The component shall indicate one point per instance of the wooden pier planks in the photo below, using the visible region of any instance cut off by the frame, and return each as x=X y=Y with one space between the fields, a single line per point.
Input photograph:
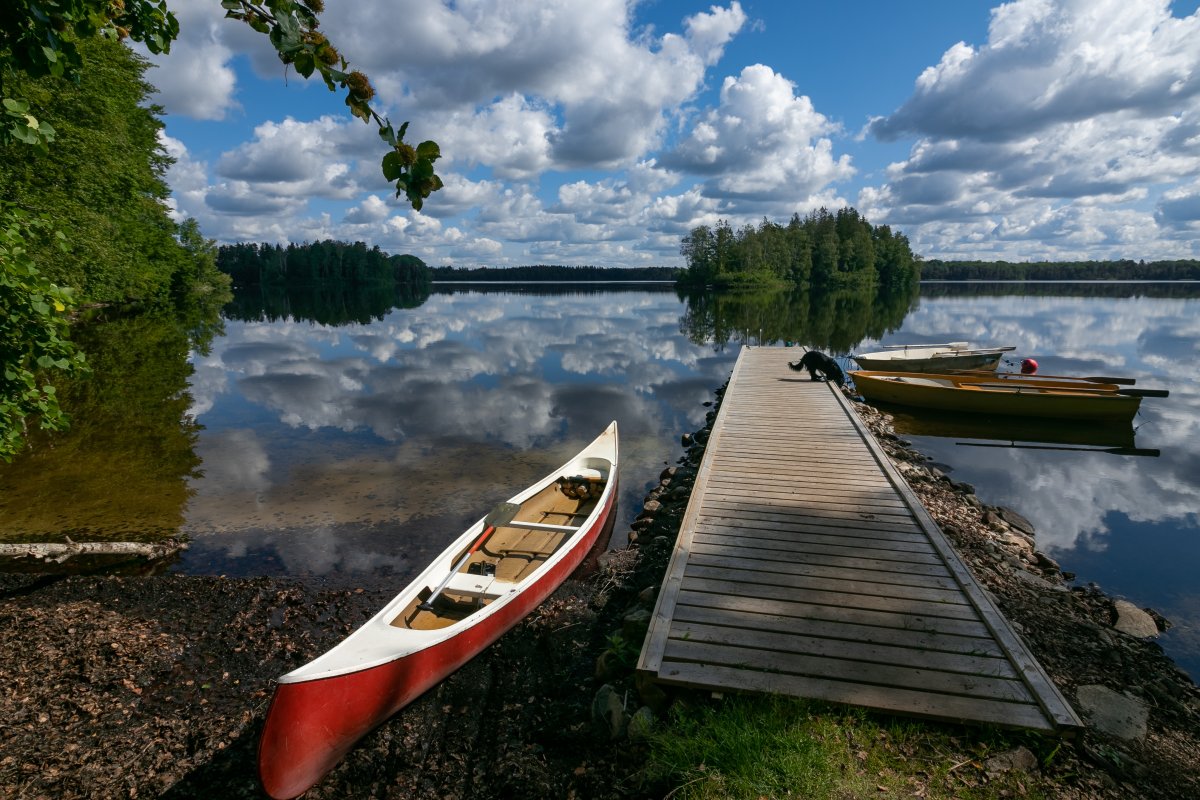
x=806 y=566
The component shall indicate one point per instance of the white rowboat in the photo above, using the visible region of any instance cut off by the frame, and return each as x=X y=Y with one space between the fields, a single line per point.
x=932 y=357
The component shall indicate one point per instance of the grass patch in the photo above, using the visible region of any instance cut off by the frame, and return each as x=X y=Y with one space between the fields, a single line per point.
x=753 y=747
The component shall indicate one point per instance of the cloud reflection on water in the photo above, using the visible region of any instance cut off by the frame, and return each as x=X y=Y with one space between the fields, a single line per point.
x=429 y=412
x=1155 y=340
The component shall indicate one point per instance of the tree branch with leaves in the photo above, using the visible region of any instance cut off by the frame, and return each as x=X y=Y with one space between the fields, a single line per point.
x=39 y=38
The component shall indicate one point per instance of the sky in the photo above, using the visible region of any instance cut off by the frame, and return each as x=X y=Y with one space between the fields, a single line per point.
x=601 y=132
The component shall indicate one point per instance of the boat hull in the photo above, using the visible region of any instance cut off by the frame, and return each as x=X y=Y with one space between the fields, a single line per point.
x=936 y=364
x=933 y=358
x=312 y=724
x=892 y=387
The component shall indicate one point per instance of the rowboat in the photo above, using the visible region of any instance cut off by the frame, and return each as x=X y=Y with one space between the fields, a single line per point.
x=932 y=357
x=483 y=584
x=1004 y=393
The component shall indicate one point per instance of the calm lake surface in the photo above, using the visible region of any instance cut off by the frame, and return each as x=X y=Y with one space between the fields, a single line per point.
x=349 y=439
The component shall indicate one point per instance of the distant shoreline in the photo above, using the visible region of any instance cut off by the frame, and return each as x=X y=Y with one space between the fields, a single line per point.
x=1061 y=280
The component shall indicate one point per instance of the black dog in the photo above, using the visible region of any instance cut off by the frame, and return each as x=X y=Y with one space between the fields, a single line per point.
x=820 y=367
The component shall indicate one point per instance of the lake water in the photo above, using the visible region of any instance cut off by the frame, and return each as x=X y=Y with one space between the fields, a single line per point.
x=348 y=439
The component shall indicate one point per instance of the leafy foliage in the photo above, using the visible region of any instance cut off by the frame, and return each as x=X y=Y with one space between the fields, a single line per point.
x=102 y=181
x=293 y=30
x=823 y=250
x=40 y=38
x=200 y=277
x=33 y=335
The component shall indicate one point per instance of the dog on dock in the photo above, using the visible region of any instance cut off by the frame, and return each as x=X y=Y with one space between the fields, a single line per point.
x=820 y=367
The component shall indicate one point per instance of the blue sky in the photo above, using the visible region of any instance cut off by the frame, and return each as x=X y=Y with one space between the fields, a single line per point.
x=602 y=131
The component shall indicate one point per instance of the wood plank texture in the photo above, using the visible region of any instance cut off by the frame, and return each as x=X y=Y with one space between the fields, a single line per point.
x=806 y=566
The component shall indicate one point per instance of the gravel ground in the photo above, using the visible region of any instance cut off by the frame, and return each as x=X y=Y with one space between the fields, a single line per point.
x=157 y=687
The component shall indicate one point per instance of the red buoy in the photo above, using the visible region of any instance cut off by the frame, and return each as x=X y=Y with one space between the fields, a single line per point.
x=1028 y=366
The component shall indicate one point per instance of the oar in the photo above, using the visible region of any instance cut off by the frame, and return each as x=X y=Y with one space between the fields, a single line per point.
x=1145 y=392
x=1101 y=392
x=1105 y=379
x=500 y=515
x=1088 y=379
x=1117 y=451
x=1134 y=451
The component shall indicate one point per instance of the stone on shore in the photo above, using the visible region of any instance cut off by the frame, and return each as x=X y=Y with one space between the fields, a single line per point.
x=1134 y=621
x=1113 y=713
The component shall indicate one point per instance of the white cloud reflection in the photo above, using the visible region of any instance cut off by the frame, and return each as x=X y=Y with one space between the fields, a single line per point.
x=409 y=423
x=1069 y=496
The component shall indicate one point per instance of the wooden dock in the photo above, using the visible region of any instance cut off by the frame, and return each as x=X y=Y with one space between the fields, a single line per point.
x=806 y=566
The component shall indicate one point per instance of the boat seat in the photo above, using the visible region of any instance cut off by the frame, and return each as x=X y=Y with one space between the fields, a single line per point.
x=485 y=587
x=923 y=381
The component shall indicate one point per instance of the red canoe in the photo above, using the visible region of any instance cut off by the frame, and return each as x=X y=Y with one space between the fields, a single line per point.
x=498 y=571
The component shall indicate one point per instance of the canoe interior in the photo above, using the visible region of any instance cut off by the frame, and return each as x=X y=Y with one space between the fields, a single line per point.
x=510 y=554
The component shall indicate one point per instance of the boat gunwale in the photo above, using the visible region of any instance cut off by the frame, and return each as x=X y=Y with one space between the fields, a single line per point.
x=603 y=447
x=1077 y=387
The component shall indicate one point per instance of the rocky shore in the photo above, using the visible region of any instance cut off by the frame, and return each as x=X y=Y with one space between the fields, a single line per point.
x=156 y=686
x=1141 y=712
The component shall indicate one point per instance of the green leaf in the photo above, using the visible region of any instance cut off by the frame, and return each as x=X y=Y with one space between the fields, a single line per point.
x=422 y=169
x=429 y=150
x=393 y=167
x=16 y=106
x=304 y=63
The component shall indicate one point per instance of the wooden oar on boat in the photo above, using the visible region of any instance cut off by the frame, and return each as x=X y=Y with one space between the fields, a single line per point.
x=1086 y=389
x=1087 y=379
x=1116 y=451
x=502 y=514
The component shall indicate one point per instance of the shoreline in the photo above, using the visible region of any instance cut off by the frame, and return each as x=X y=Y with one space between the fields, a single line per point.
x=157 y=686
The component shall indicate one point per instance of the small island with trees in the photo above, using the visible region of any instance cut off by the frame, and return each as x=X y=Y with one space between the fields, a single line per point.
x=824 y=250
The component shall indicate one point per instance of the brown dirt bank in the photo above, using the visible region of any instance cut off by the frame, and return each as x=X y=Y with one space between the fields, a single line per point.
x=157 y=686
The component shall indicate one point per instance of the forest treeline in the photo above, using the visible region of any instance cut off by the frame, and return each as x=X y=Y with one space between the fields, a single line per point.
x=551 y=272
x=84 y=222
x=1093 y=288
x=823 y=250
x=102 y=184
x=250 y=264
x=1127 y=269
